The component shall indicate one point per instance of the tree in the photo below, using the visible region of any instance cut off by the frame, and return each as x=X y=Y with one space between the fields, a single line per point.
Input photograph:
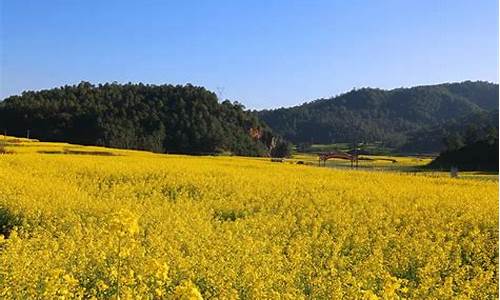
x=453 y=142
x=392 y=117
x=178 y=119
x=282 y=149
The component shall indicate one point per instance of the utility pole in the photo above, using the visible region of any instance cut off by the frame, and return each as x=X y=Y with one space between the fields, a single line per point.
x=220 y=93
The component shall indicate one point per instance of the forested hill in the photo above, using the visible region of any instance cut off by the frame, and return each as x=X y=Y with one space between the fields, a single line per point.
x=387 y=116
x=178 y=119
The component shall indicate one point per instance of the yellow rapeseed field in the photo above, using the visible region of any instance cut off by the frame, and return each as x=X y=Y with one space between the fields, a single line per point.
x=89 y=222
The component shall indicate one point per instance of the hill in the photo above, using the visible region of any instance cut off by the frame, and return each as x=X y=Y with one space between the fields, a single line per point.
x=387 y=116
x=178 y=119
x=476 y=126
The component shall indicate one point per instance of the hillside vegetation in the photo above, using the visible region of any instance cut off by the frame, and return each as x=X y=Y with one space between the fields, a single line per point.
x=397 y=118
x=84 y=222
x=480 y=155
x=452 y=134
x=160 y=118
x=189 y=119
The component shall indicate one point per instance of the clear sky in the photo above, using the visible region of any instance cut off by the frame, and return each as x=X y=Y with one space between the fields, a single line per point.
x=262 y=53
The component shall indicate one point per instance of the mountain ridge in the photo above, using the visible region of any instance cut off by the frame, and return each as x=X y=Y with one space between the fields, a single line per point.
x=372 y=114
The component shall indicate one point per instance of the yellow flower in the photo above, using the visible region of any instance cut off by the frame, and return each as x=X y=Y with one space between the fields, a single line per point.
x=70 y=280
x=124 y=221
x=132 y=225
x=187 y=291
x=102 y=286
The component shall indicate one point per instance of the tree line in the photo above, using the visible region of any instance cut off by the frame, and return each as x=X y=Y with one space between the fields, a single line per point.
x=401 y=119
x=160 y=118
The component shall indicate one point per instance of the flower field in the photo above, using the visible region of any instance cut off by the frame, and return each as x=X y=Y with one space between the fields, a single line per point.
x=89 y=222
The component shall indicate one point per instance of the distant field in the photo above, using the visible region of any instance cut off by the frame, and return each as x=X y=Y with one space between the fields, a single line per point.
x=84 y=222
x=376 y=148
x=407 y=164
x=375 y=161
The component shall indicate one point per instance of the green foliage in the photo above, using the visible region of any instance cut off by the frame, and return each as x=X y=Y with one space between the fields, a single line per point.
x=453 y=142
x=159 y=118
x=479 y=155
x=281 y=149
x=395 y=118
x=472 y=145
x=454 y=134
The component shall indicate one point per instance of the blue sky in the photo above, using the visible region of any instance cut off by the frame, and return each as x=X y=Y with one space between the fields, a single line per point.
x=262 y=53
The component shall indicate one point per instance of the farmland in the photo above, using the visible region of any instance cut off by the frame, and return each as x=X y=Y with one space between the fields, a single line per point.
x=91 y=222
